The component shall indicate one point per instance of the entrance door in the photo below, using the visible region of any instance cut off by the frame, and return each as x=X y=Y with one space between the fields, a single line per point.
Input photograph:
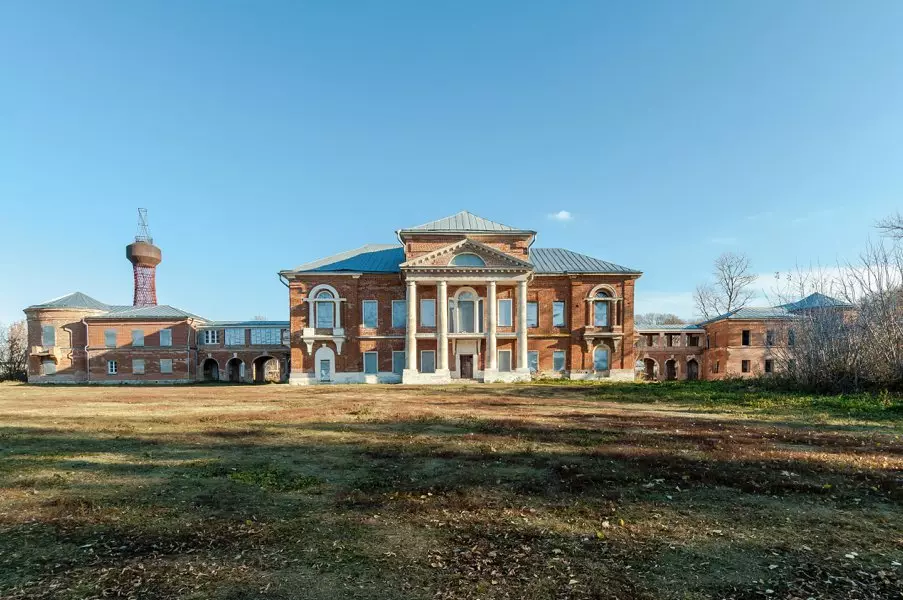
x=324 y=369
x=467 y=366
x=692 y=370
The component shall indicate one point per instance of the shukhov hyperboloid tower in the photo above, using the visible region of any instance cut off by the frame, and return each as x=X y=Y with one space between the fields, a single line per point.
x=144 y=257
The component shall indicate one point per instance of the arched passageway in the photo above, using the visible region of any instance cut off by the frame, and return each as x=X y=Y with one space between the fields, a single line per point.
x=692 y=370
x=650 y=369
x=671 y=370
x=235 y=370
x=266 y=368
x=210 y=370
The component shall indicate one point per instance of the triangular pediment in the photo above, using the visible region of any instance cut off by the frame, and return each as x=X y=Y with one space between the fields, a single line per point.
x=442 y=258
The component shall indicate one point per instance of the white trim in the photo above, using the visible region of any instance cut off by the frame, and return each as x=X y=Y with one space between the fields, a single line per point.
x=324 y=352
x=510 y=322
x=112 y=367
x=364 y=312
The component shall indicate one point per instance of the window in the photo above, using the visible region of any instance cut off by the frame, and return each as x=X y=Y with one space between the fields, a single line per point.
x=112 y=367
x=211 y=336
x=48 y=367
x=744 y=366
x=261 y=336
x=600 y=314
x=398 y=362
x=399 y=313
x=138 y=366
x=600 y=359
x=791 y=337
x=745 y=340
x=109 y=338
x=235 y=336
x=166 y=365
x=137 y=337
x=558 y=360
x=370 y=312
x=48 y=335
x=505 y=312
x=558 y=318
x=325 y=309
x=533 y=361
x=707 y=344
x=673 y=340
x=769 y=337
x=532 y=314
x=371 y=363
x=427 y=361
x=504 y=361
x=165 y=337
x=427 y=312
x=692 y=340
x=716 y=367
x=769 y=365
x=467 y=260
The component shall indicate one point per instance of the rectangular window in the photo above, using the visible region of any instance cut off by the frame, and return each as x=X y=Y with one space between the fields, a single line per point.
x=707 y=344
x=427 y=361
x=325 y=315
x=398 y=362
x=266 y=336
x=48 y=335
x=138 y=366
x=112 y=367
x=558 y=318
x=600 y=314
x=744 y=366
x=504 y=361
x=769 y=337
x=532 y=314
x=673 y=340
x=48 y=367
x=166 y=365
x=692 y=340
x=166 y=337
x=600 y=359
x=370 y=312
x=505 y=312
x=137 y=337
x=427 y=312
x=533 y=361
x=717 y=366
x=399 y=314
x=235 y=336
x=109 y=338
x=791 y=337
x=558 y=360
x=211 y=336
x=371 y=363
x=769 y=365
x=745 y=340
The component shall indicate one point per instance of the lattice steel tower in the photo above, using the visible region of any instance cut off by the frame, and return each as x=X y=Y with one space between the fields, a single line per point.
x=144 y=257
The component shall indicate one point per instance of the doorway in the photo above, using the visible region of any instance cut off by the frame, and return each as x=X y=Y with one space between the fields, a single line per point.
x=692 y=370
x=466 y=366
x=671 y=370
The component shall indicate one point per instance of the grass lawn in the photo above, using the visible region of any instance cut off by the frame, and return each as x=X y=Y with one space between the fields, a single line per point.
x=523 y=491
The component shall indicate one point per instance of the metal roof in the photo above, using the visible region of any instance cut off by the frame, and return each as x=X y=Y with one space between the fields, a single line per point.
x=372 y=258
x=74 y=300
x=670 y=327
x=463 y=221
x=246 y=324
x=816 y=300
x=752 y=313
x=160 y=311
x=559 y=260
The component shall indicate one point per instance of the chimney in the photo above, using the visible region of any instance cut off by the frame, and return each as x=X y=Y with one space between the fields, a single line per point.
x=144 y=257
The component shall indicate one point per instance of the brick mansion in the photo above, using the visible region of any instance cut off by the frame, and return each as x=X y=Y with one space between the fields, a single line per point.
x=459 y=298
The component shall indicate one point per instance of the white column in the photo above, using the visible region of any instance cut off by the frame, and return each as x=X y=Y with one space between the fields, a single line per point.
x=411 y=332
x=522 y=326
x=442 y=322
x=491 y=344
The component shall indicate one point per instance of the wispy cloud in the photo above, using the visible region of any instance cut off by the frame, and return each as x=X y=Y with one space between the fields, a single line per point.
x=562 y=215
x=760 y=216
x=812 y=216
x=723 y=240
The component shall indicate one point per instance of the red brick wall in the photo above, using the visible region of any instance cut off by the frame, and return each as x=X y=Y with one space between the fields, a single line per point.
x=515 y=245
x=71 y=363
x=725 y=339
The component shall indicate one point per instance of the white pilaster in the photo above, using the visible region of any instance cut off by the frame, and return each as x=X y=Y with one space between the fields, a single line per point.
x=522 y=327
x=491 y=343
x=442 y=322
x=411 y=332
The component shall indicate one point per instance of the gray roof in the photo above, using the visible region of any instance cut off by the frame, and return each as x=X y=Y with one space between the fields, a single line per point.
x=559 y=260
x=463 y=221
x=160 y=311
x=816 y=300
x=74 y=300
x=247 y=324
x=753 y=313
x=372 y=258
x=670 y=327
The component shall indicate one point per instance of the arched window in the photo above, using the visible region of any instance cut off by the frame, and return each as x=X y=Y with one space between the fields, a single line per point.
x=324 y=295
x=467 y=260
x=601 y=300
x=324 y=306
x=600 y=358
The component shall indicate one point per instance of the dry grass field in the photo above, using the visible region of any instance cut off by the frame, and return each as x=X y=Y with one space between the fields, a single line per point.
x=529 y=491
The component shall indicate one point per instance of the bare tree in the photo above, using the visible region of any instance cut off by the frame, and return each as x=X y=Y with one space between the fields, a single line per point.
x=731 y=288
x=13 y=352
x=653 y=318
x=892 y=226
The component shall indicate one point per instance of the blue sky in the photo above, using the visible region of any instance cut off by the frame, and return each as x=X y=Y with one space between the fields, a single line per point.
x=263 y=135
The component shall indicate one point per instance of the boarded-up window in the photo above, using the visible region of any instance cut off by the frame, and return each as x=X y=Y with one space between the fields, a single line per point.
x=266 y=336
x=371 y=363
x=138 y=366
x=48 y=367
x=427 y=361
x=504 y=312
x=532 y=314
x=558 y=360
x=109 y=338
x=166 y=365
x=428 y=312
x=398 y=362
x=235 y=336
x=399 y=314
x=137 y=337
x=504 y=361
x=558 y=315
x=166 y=337
x=533 y=361
x=48 y=335
x=370 y=310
